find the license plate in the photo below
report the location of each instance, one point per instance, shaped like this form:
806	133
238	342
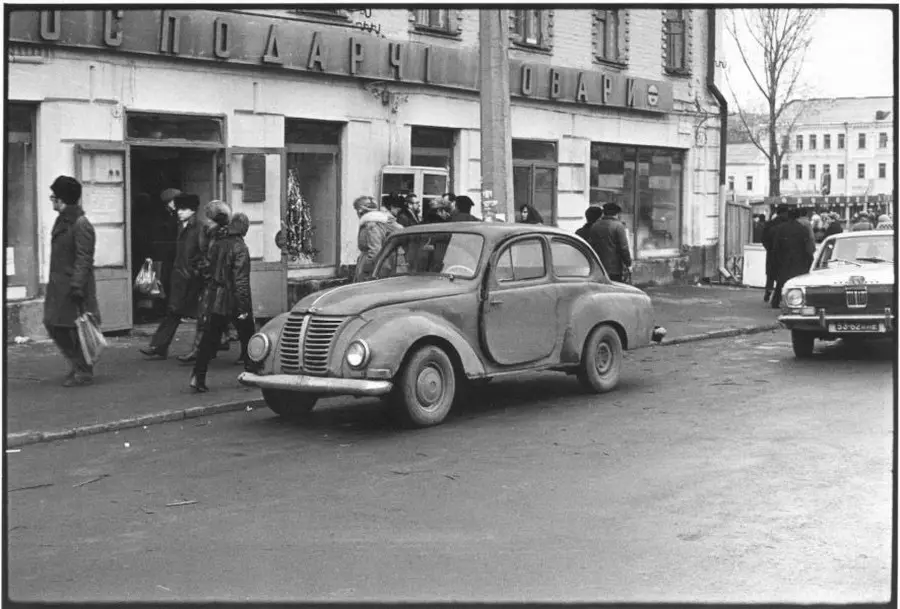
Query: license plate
847	327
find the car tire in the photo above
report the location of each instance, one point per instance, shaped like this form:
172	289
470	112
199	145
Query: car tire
803	343
426	388
601	360
289	404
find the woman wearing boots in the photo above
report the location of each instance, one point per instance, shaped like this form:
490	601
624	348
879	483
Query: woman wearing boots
227	293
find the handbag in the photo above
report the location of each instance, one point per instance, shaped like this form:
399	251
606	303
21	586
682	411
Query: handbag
90	338
147	282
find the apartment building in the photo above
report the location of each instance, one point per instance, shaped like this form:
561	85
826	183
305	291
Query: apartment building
254	105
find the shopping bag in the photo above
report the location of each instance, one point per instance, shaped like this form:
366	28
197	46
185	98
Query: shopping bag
148	283
90	338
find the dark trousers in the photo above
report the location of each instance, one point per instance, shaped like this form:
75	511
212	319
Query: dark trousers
212	337
776	295
615	276
164	334
67	340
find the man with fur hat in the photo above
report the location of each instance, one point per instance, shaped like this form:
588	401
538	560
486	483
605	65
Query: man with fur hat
71	288
609	239
185	281
227	296
375	225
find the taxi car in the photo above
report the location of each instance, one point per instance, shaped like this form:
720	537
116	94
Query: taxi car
450	305
848	293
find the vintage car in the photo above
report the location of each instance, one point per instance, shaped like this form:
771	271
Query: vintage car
450	305
848	293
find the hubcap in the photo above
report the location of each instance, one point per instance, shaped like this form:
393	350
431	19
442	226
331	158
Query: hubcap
429	386
604	358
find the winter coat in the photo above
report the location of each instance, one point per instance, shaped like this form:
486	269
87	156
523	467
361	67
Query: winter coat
228	274
374	227
184	287
585	231
464	216
834	228
793	247
406	218
71	268
609	239
164	232
768	241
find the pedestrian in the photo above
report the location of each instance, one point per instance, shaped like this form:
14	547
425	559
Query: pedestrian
803	218
228	297
817	222
414	206
164	231
397	205
609	239
434	211
375	225
759	226
834	225
794	247
185	282
464	207
529	215
768	241
591	215
863	223
71	289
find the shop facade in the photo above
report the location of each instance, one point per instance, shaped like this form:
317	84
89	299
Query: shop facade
290	120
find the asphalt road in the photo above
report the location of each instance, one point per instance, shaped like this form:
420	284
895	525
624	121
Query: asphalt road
720	471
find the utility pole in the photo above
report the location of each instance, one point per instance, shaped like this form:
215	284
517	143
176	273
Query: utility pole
496	143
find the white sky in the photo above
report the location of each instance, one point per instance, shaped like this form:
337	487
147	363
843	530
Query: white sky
851	55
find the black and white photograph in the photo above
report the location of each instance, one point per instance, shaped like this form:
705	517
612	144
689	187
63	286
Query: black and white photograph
473	303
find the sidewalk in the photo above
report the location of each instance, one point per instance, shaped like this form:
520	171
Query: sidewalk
129	391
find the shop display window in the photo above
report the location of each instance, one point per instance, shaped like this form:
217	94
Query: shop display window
20	237
174	128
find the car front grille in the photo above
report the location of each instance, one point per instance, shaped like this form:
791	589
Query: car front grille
306	343
857	297
850	299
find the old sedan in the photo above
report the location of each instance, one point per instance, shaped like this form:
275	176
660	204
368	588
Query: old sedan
848	293
451	304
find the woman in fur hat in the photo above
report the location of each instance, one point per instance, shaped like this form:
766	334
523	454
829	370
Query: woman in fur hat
227	297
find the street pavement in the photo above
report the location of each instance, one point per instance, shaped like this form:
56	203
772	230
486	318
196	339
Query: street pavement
718	471
131	391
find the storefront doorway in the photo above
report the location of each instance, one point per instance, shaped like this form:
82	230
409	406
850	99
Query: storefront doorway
21	208
534	177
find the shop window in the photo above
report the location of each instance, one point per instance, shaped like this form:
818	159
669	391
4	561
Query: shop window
313	194
812	172
433	147
840	171
440	21
568	260
731	183
812	142
785	172
840	142
798	172
174	128
749	183
676	40
826	169
882	140
861	171
862	141
799	142
882	170
531	28
647	184
826	141
607	45
20	237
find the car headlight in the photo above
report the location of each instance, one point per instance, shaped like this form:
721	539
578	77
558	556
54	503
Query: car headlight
258	347
794	297
357	354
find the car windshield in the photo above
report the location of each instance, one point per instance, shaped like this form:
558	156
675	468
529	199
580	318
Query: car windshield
857	251
447	254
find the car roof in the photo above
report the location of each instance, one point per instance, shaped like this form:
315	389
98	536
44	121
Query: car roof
492	230
861	233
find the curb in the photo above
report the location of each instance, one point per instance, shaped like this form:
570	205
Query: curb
24	438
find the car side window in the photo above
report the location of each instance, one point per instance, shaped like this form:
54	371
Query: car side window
568	260
521	261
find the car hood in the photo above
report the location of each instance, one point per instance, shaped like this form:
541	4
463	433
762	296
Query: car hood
357	298
874	274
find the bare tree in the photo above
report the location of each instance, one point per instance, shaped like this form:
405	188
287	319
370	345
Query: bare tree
773	53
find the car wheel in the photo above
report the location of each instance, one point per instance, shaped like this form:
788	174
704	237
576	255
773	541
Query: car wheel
426	388
601	361
803	343
289	404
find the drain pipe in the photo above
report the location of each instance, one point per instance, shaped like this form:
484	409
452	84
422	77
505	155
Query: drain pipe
723	133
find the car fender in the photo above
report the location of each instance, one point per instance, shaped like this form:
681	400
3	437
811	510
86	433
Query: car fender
631	311
390	338
272	329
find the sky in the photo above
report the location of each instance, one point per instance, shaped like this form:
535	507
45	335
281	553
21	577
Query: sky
851	55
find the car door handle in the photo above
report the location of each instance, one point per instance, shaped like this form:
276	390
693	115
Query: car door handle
496	301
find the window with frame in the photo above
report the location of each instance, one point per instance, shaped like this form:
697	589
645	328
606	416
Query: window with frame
607	35
798	172
749	183
841	141
861	171
812	142
435	20
731	183
862	141
326	13
826	168
812	172
826	141
676	40
521	261
529	27
882	170
840	171
882	140
568	260
799	142
785	172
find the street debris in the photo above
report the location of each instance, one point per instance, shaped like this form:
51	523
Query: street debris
100	477
127	444
452	476
27	488
13	450
163	588
249	408
407	472
22	340
177	503
146	511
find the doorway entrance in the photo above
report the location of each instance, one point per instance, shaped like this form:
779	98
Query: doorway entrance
534	177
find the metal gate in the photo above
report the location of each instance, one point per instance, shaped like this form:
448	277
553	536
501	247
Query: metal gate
738	233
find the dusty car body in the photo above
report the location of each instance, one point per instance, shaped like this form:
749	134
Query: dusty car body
848	293
451	304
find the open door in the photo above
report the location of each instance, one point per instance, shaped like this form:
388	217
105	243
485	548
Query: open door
256	189
101	168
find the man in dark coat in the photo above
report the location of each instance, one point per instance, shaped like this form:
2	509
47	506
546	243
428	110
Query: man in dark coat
768	240
185	281
71	289
228	297
464	207
793	246
609	239
396	204
591	215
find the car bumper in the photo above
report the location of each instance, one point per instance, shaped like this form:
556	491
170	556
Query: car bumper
829	324
316	384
